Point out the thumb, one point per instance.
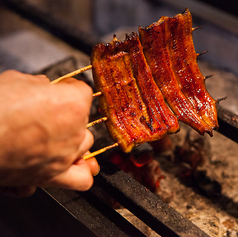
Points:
(77, 177)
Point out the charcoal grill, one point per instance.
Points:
(86, 213)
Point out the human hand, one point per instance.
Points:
(43, 133)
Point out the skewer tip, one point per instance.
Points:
(199, 54)
(209, 76)
(196, 28)
(96, 122)
(219, 100)
(97, 94)
(71, 74)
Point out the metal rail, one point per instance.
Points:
(228, 123)
(162, 218)
(90, 209)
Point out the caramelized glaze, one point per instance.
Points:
(131, 100)
(169, 51)
(138, 76)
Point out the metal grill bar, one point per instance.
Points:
(90, 209)
(144, 204)
(93, 213)
(228, 123)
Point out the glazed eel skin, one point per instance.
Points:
(131, 100)
(170, 53)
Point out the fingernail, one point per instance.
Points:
(42, 77)
(96, 173)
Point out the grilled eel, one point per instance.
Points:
(170, 53)
(131, 100)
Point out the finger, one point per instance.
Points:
(72, 155)
(9, 74)
(42, 78)
(85, 89)
(86, 143)
(93, 165)
(83, 148)
(77, 177)
(19, 76)
(79, 94)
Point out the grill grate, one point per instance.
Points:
(162, 218)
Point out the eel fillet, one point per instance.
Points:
(131, 100)
(170, 53)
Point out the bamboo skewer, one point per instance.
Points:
(74, 73)
(97, 94)
(96, 122)
(71, 74)
(100, 151)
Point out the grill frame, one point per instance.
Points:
(148, 207)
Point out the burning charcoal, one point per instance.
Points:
(142, 155)
(162, 145)
(122, 160)
(131, 163)
(148, 172)
(151, 175)
(193, 153)
(140, 164)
